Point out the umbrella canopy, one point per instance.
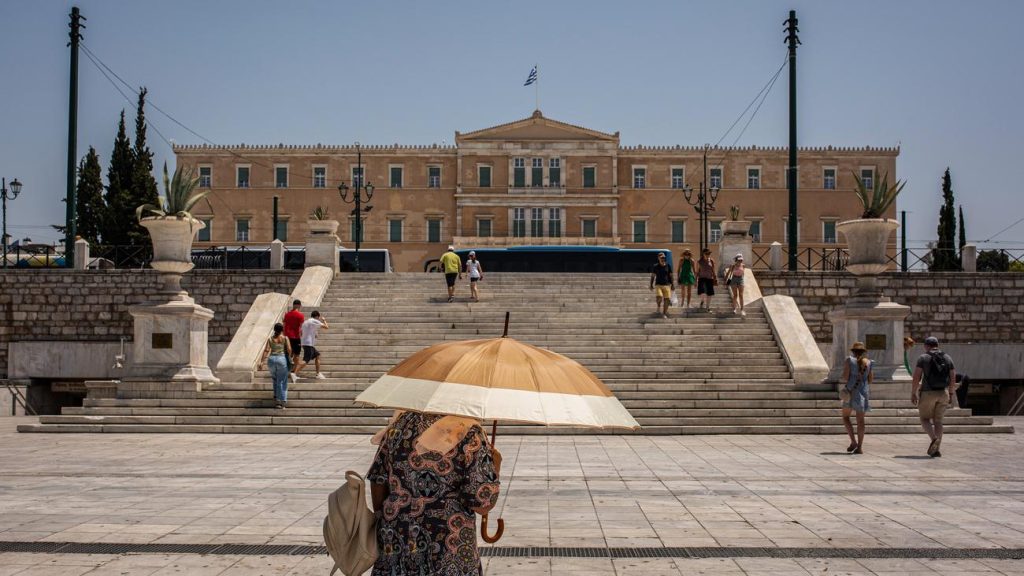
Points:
(499, 379)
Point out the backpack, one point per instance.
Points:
(937, 371)
(350, 530)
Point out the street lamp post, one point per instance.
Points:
(15, 190)
(359, 187)
(703, 203)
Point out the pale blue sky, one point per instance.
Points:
(942, 78)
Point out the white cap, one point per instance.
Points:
(472, 253)
(738, 257)
(451, 248)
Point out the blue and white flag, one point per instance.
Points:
(532, 78)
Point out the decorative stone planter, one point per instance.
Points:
(867, 240)
(735, 240)
(172, 249)
(736, 227)
(318, 227)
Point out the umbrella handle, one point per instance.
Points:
(497, 535)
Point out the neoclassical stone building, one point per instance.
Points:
(532, 181)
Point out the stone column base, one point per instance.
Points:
(170, 348)
(879, 325)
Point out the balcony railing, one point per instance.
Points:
(537, 190)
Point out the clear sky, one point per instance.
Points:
(941, 78)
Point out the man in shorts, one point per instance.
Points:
(310, 329)
(293, 320)
(452, 270)
(934, 377)
(662, 284)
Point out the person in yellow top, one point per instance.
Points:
(452, 270)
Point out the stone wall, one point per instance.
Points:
(953, 306)
(93, 305)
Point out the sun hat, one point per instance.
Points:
(858, 346)
(687, 251)
(931, 341)
(908, 341)
(738, 257)
(472, 253)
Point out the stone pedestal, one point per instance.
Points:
(775, 257)
(169, 352)
(277, 255)
(878, 323)
(81, 254)
(968, 258)
(735, 240)
(322, 244)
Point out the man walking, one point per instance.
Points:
(293, 320)
(310, 329)
(662, 284)
(934, 377)
(452, 270)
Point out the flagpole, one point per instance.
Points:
(536, 88)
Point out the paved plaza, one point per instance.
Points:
(774, 500)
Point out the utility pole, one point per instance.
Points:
(793, 41)
(275, 218)
(903, 240)
(71, 220)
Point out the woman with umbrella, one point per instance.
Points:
(432, 473)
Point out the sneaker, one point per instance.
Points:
(450, 299)
(320, 376)
(937, 454)
(665, 316)
(279, 406)
(933, 447)
(743, 313)
(294, 377)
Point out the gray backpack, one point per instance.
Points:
(936, 371)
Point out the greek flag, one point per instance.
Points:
(532, 78)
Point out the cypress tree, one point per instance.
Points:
(90, 208)
(143, 190)
(945, 256)
(120, 214)
(963, 231)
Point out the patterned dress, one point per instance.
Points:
(428, 527)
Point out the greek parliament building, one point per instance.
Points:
(532, 181)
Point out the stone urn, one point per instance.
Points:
(867, 240)
(318, 227)
(736, 227)
(172, 249)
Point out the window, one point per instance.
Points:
(484, 227)
(207, 232)
(867, 176)
(589, 176)
(555, 172)
(554, 222)
(242, 177)
(518, 222)
(828, 231)
(433, 229)
(716, 231)
(829, 179)
(433, 176)
(395, 230)
(639, 231)
(282, 230)
(357, 229)
(537, 172)
(395, 177)
(357, 176)
(536, 222)
(677, 178)
(753, 178)
(639, 178)
(519, 172)
(205, 176)
(483, 174)
(785, 230)
(281, 176)
(590, 228)
(755, 231)
(319, 176)
(716, 178)
(242, 230)
(678, 230)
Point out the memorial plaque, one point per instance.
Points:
(874, 341)
(163, 341)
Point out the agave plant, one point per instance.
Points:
(878, 199)
(734, 212)
(179, 197)
(318, 213)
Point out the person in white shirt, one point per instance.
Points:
(476, 274)
(310, 328)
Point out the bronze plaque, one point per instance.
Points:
(163, 341)
(874, 341)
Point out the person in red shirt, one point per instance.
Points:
(293, 320)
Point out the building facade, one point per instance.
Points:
(533, 181)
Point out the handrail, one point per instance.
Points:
(19, 398)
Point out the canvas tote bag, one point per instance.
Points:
(350, 531)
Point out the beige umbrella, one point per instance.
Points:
(499, 379)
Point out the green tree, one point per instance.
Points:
(945, 256)
(143, 189)
(91, 208)
(120, 213)
(963, 231)
(993, 261)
